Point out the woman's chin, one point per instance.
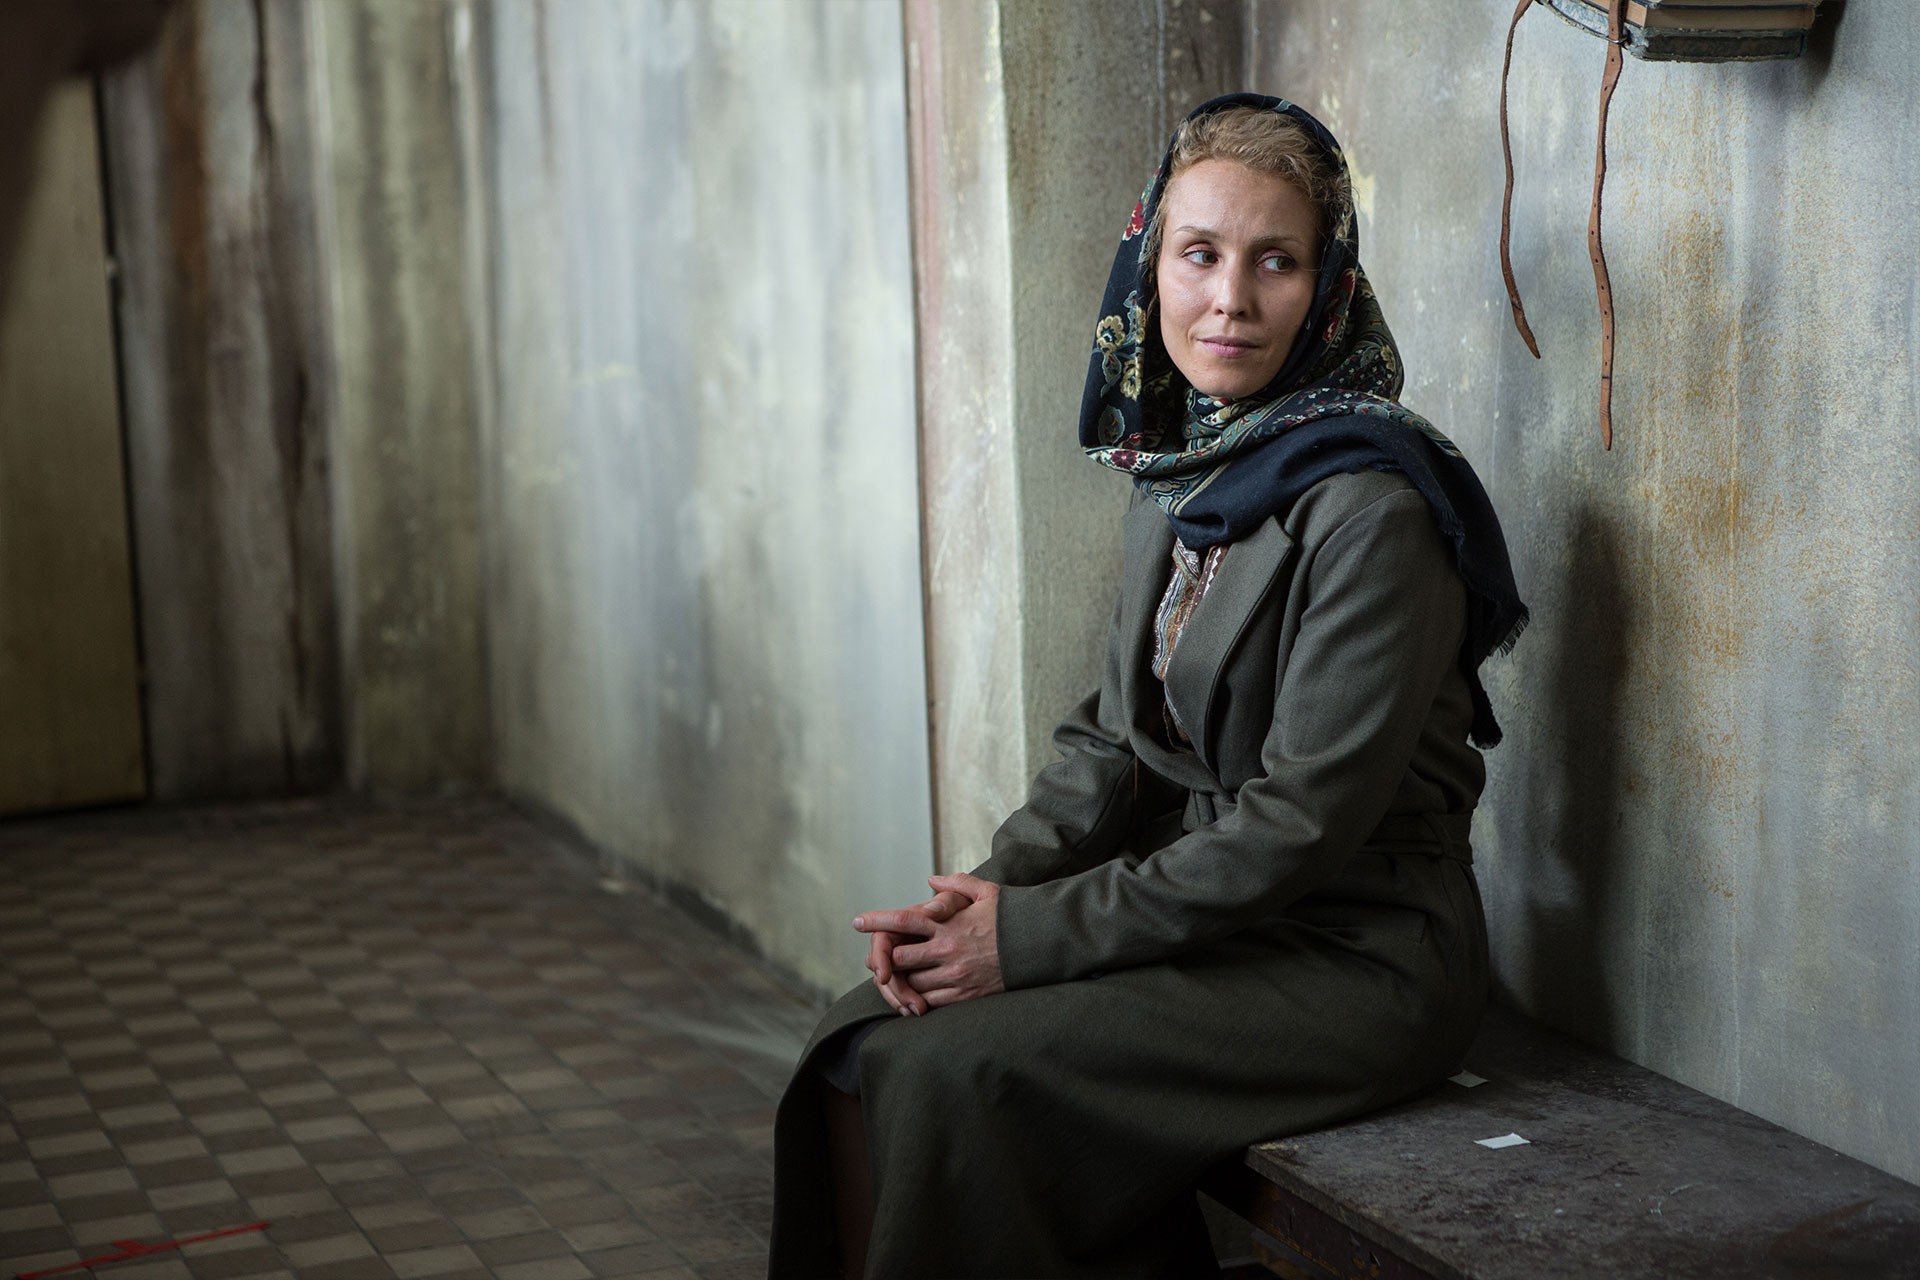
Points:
(1226, 386)
(1226, 379)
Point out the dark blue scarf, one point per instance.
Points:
(1220, 470)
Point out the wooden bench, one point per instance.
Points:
(1624, 1173)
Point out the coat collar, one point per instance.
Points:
(1245, 579)
(1148, 546)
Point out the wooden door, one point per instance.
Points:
(70, 729)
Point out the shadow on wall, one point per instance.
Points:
(1567, 958)
(1819, 54)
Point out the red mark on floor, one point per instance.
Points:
(135, 1249)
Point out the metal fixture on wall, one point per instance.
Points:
(1653, 30)
(1701, 30)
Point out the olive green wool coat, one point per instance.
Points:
(1202, 948)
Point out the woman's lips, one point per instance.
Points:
(1227, 348)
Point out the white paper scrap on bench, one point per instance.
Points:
(1467, 1080)
(1504, 1140)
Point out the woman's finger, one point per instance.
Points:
(946, 905)
(880, 957)
(925, 980)
(907, 1000)
(921, 955)
(968, 887)
(910, 920)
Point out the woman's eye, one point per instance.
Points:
(1277, 262)
(1200, 257)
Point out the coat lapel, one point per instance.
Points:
(1148, 548)
(1244, 579)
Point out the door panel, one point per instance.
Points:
(69, 681)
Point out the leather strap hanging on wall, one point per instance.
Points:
(1602, 282)
(1506, 200)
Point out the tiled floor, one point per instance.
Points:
(419, 1041)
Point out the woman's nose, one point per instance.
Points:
(1233, 293)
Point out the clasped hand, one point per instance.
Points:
(940, 952)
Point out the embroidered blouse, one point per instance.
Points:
(1192, 574)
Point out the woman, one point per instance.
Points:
(1240, 904)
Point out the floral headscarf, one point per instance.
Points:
(1221, 468)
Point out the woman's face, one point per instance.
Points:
(1239, 255)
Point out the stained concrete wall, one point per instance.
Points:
(963, 287)
(300, 399)
(1699, 839)
(1036, 125)
(394, 242)
(209, 177)
(703, 561)
(523, 393)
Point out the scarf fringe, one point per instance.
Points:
(1512, 638)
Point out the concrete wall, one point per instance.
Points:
(963, 286)
(703, 562)
(1036, 125)
(394, 231)
(1699, 839)
(209, 177)
(524, 393)
(300, 399)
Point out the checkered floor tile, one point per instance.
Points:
(416, 1041)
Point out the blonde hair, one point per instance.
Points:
(1266, 142)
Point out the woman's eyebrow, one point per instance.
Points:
(1270, 238)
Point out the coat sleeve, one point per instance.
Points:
(1382, 624)
(1080, 807)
